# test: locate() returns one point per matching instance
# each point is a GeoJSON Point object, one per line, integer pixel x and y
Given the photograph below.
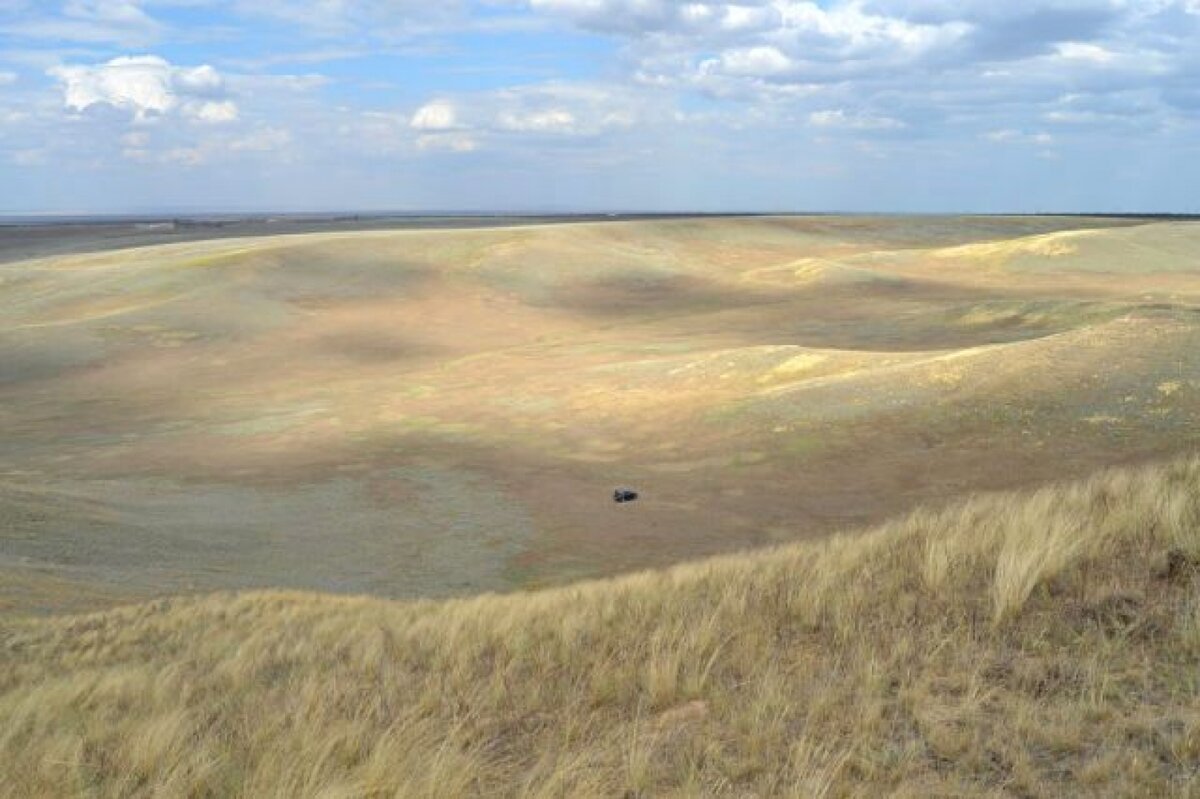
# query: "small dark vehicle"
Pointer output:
{"type": "Point", "coordinates": [624, 495]}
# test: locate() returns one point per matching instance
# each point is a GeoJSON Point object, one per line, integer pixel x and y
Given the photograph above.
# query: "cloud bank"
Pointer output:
{"type": "Point", "coordinates": [757, 104]}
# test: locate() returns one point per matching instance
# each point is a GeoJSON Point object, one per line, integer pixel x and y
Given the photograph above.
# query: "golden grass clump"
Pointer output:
{"type": "Point", "coordinates": [1039, 644]}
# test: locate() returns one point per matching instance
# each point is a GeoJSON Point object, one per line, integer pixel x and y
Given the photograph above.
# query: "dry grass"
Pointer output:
{"type": "Point", "coordinates": [1031, 645]}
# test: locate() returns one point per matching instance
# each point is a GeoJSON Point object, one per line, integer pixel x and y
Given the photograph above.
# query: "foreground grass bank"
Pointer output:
{"type": "Point", "coordinates": [1040, 644]}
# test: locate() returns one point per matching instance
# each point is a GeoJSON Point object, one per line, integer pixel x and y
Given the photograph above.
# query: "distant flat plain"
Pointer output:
{"type": "Point", "coordinates": [426, 408]}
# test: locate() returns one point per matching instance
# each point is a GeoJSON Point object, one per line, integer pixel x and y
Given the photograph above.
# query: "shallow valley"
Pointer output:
{"type": "Point", "coordinates": [422, 412]}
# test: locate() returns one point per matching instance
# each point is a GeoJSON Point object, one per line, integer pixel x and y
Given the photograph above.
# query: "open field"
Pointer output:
{"type": "Point", "coordinates": [423, 413]}
{"type": "Point", "coordinates": [1038, 645]}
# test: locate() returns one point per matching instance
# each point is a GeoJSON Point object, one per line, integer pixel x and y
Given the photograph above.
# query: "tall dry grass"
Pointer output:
{"type": "Point", "coordinates": [1043, 644]}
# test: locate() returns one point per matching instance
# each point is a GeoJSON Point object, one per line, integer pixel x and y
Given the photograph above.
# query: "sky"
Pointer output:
{"type": "Point", "coordinates": [137, 106]}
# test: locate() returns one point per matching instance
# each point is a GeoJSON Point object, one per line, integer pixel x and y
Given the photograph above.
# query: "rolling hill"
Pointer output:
{"type": "Point", "coordinates": [423, 413]}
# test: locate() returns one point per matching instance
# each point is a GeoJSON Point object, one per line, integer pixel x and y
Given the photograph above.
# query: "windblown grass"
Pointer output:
{"type": "Point", "coordinates": [1042, 644]}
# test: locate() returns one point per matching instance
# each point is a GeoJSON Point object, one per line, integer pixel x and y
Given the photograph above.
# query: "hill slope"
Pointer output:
{"type": "Point", "coordinates": [1037, 644]}
{"type": "Point", "coordinates": [424, 413]}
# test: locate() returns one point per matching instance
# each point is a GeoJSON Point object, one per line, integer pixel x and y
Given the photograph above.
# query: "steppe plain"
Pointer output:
{"type": "Point", "coordinates": [433, 412]}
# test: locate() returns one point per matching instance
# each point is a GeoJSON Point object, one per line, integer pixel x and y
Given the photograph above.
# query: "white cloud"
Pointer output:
{"type": "Point", "coordinates": [838, 118]}
{"type": "Point", "coordinates": [215, 112]}
{"type": "Point", "coordinates": [438, 115]}
{"type": "Point", "coordinates": [1083, 51]}
{"type": "Point", "coordinates": [497, 120]}
{"type": "Point", "coordinates": [556, 109]}
{"type": "Point", "coordinates": [758, 37]}
{"type": "Point", "coordinates": [890, 54]}
{"type": "Point", "coordinates": [139, 84]}
{"type": "Point", "coordinates": [714, 88]}
{"type": "Point", "coordinates": [147, 87]}
{"type": "Point", "coordinates": [560, 109]}
{"type": "Point", "coordinates": [763, 60]}
{"type": "Point", "coordinates": [765, 51]}
{"type": "Point", "coordinates": [199, 80]}
{"type": "Point", "coordinates": [727, 17]}
{"type": "Point", "coordinates": [847, 28]}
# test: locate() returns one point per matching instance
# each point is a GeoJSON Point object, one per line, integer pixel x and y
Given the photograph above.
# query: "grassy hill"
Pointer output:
{"type": "Point", "coordinates": [1032, 644]}
{"type": "Point", "coordinates": [423, 413]}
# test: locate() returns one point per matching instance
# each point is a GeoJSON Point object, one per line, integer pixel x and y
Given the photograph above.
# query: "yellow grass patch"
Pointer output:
{"type": "Point", "coordinates": [1047, 245]}
{"type": "Point", "coordinates": [800, 364]}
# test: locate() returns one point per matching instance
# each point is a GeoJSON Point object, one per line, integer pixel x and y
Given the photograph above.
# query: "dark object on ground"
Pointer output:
{"type": "Point", "coordinates": [624, 495]}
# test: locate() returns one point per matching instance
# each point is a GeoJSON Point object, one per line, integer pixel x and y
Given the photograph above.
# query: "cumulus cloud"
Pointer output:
{"type": "Point", "coordinates": [758, 49]}
{"type": "Point", "coordinates": [554, 110]}
{"type": "Point", "coordinates": [147, 87]}
{"type": "Point", "coordinates": [758, 38]}
{"type": "Point", "coordinates": [760, 61]}
{"type": "Point", "coordinates": [439, 115]}
{"type": "Point", "coordinates": [971, 70]}
{"type": "Point", "coordinates": [434, 127]}
{"type": "Point", "coordinates": [694, 84]}
{"type": "Point", "coordinates": [494, 120]}
{"type": "Point", "coordinates": [763, 50]}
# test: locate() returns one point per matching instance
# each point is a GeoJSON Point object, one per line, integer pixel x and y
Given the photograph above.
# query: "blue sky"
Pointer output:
{"type": "Point", "coordinates": [569, 105]}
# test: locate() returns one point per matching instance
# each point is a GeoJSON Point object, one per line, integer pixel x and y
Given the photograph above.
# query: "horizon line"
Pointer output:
{"type": "Point", "coordinates": [350, 215]}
